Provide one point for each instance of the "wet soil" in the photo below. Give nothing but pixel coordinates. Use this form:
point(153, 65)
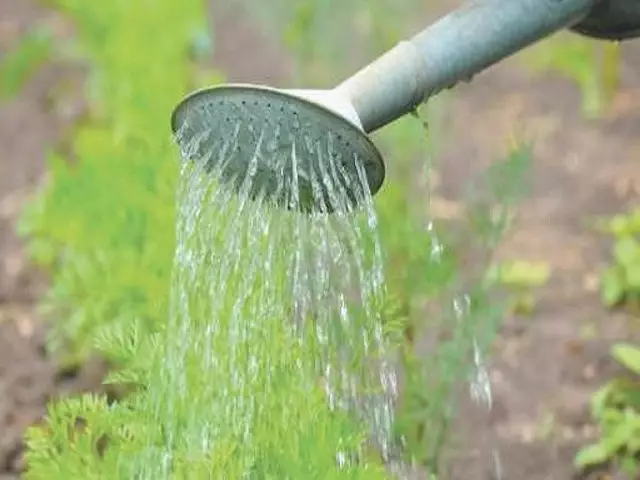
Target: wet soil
point(545, 365)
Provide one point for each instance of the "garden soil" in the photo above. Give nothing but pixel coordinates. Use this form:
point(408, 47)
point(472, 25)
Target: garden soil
point(545, 365)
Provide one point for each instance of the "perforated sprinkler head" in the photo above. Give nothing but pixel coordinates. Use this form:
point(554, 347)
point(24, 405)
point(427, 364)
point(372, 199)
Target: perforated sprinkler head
point(304, 149)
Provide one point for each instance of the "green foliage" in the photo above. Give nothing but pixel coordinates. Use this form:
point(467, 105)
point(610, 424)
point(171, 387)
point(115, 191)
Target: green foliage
point(520, 278)
point(105, 221)
point(402, 206)
point(425, 269)
point(294, 437)
point(621, 281)
point(329, 37)
point(592, 64)
point(21, 62)
point(616, 408)
point(76, 440)
point(522, 274)
point(105, 226)
point(464, 317)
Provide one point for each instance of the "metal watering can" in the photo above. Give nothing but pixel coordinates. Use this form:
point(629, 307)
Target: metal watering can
point(264, 132)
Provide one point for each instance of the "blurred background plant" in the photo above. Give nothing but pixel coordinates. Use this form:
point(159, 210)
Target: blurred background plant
point(104, 224)
point(17, 67)
point(615, 407)
point(521, 279)
point(595, 66)
point(620, 282)
point(592, 64)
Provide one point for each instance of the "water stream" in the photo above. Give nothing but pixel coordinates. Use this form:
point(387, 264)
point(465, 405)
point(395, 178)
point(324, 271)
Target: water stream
point(277, 364)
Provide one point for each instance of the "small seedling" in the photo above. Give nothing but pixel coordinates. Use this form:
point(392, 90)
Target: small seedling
point(620, 283)
point(592, 64)
point(546, 426)
point(588, 331)
point(20, 63)
point(616, 409)
point(521, 278)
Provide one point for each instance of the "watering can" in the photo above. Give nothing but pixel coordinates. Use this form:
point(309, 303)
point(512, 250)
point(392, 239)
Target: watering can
point(265, 132)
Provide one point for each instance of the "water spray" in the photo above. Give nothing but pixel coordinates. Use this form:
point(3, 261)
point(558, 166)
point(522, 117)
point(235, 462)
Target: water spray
point(271, 134)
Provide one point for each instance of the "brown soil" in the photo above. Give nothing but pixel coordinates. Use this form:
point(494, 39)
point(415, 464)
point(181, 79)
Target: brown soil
point(545, 366)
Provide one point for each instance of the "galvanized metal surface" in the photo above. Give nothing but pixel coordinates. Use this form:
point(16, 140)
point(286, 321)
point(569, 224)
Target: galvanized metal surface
point(230, 126)
point(454, 49)
point(612, 20)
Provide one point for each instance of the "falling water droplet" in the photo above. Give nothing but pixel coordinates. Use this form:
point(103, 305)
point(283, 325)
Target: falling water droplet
point(272, 146)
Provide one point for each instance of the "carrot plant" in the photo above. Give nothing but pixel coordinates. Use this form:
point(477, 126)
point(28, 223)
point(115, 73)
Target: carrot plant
point(104, 223)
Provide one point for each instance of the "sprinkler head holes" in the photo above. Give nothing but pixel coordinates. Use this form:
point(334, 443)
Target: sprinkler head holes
point(302, 150)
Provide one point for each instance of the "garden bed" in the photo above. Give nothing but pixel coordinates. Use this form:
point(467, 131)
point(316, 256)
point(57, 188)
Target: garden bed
point(546, 365)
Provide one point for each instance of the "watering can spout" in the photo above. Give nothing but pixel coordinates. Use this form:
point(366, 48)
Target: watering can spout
point(452, 50)
point(313, 130)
